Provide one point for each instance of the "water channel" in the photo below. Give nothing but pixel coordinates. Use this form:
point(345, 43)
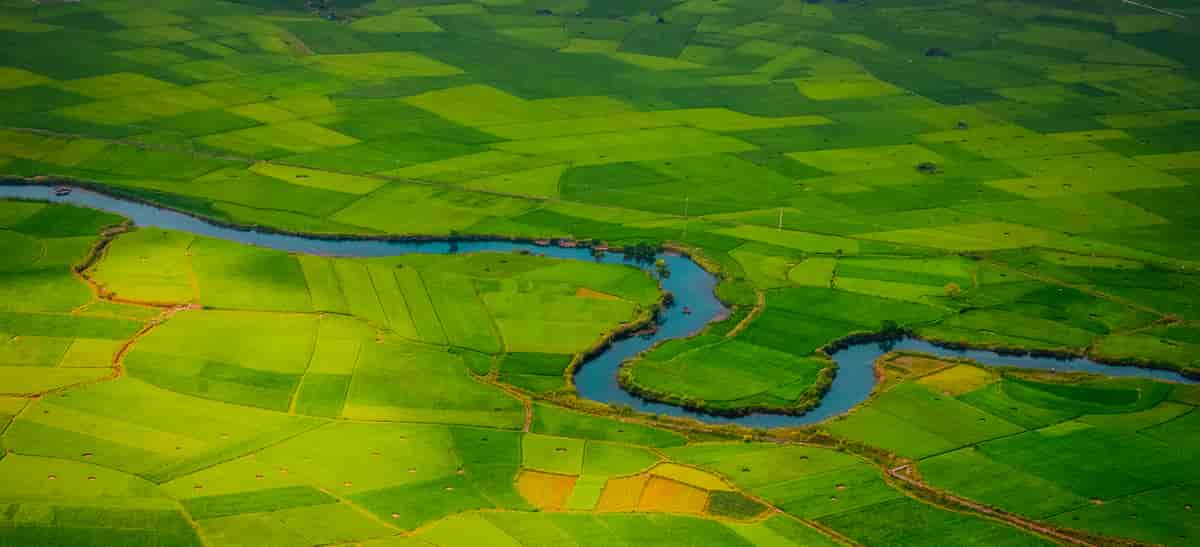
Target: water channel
point(691, 285)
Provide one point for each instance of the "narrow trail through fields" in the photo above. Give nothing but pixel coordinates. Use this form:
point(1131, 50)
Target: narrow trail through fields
point(902, 473)
point(759, 304)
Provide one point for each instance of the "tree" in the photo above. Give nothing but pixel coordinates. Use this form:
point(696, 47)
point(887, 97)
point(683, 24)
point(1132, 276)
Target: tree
point(953, 290)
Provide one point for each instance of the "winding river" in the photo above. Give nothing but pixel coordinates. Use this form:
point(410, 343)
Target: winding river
point(597, 379)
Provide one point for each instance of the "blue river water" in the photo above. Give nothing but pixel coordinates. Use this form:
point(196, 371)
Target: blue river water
point(691, 285)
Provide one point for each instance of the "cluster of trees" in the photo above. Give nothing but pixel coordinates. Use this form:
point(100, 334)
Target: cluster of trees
point(642, 252)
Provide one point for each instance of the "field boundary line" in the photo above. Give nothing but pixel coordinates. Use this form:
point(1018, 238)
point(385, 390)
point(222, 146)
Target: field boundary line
point(1152, 8)
point(403, 300)
point(360, 509)
point(349, 385)
point(312, 353)
point(325, 422)
point(487, 311)
point(1167, 421)
point(433, 306)
point(387, 319)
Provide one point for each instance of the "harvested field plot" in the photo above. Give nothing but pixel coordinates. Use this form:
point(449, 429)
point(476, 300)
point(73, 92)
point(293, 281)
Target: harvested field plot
point(546, 491)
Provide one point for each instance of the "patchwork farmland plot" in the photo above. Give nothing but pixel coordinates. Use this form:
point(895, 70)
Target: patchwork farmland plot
point(1005, 175)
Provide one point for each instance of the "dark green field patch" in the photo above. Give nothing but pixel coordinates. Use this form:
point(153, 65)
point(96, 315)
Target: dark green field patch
point(256, 501)
point(733, 505)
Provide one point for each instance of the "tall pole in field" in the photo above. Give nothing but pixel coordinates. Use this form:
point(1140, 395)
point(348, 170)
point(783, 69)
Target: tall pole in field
point(781, 219)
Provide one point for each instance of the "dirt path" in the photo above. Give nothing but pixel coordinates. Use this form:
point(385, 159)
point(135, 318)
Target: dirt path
point(903, 473)
point(759, 305)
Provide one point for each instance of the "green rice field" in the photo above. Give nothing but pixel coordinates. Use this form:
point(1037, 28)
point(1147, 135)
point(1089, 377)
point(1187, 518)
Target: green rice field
point(1030, 444)
point(1012, 175)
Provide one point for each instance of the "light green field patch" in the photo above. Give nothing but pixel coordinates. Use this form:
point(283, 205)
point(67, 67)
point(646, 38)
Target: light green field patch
point(813, 272)
point(690, 475)
point(153, 56)
point(381, 65)
point(609, 123)
point(114, 112)
point(295, 136)
point(542, 182)
point(75, 152)
point(1085, 261)
point(149, 265)
point(763, 48)
point(417, 383)
point(764, 271)
point(1158, 118)
point(32, 351)
point(650, 144)
point(145, 17)
point(117, 85)
point(1037, 94)
point(395, 23)
point(650, 62)
point(12, 78)
point(24, 479)
point(587, 492)
point(155, 35)
point(940, 267)
point(339, 340)
point(585, 106)
point(306, 104)
point(957, 380)
point(1071, 73)
point(1091, 135)
point(91, 353)
point(1054, 176)
point(263, 112)
point(10, 22)
point(756, 29)
point(547, 37)
point(962, 237)
point(723, 119)
point(861, 40)
point(850, 86)
point(908, 292)
point(27, 145)
point(848, 160)
point(22, 381)
point(1059, 37)
point(469, 529)
point(462, 169)
point(704, 55)
point(350, 184)
point(263, 341)
point(172, 102)
point(410, 209)
point(793, 240)
point(552, 454)
point(588, 45)
point(1181, 160)
point(1118, 51)
point(433, 10)
point(481, 105)
point(1137, 23)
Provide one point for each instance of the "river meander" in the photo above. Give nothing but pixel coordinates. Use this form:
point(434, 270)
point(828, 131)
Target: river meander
point(691, 285)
